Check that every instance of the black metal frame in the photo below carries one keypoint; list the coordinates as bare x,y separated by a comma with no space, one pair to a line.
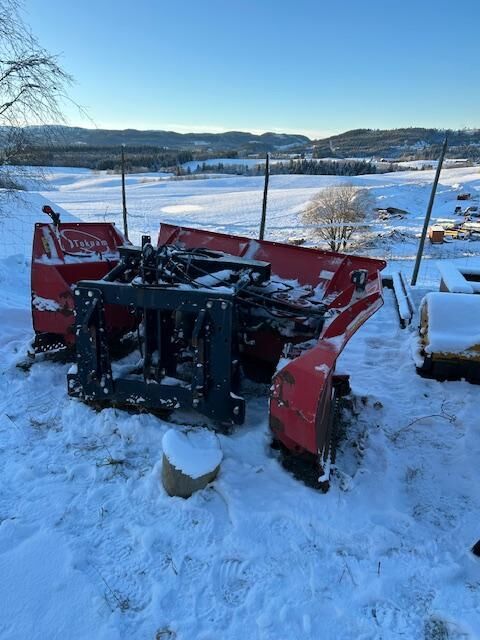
210,390
192,332
450,369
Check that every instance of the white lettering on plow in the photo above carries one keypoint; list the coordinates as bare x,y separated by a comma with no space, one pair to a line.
81,240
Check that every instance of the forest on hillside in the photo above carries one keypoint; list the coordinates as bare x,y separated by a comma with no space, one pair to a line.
406,143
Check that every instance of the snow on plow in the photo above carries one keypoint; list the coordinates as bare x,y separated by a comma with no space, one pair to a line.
62,254
208,310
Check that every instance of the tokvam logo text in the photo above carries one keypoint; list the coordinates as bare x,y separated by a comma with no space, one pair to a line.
77,240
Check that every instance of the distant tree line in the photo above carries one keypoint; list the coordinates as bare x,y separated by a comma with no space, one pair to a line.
102,158
301,166
469,152
147,158
319,167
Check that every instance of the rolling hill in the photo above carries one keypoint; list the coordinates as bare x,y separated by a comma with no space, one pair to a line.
399,143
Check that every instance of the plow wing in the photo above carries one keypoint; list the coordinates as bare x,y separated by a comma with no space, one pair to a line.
62,255
304,385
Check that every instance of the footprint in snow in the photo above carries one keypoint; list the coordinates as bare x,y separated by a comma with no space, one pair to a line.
194,524
284,532
234,582
206,606
192,568
120,573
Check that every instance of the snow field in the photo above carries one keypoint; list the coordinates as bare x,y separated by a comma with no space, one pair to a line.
232,204
85,520
92,546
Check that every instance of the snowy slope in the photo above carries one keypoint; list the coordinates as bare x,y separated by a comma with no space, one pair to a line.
92,547
233,204
18,214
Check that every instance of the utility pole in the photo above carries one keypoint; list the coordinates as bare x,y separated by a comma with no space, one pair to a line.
428,214
124,196
265,194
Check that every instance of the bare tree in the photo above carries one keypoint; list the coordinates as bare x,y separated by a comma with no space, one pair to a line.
336,212
32,86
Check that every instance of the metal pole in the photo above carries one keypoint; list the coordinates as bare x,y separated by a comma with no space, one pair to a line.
428,214
265,194
124,196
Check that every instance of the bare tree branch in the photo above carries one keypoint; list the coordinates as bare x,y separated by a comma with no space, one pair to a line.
33,88
336,212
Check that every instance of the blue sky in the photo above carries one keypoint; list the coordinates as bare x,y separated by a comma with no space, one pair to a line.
316,67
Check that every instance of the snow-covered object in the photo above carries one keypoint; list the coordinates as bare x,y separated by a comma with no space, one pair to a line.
195,453
450,323
403,297
45,304
454,280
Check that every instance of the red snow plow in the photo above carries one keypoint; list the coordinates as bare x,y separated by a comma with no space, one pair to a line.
208,310
63,254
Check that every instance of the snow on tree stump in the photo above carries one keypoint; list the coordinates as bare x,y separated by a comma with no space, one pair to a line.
191,460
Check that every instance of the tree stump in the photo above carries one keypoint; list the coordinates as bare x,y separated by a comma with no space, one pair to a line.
191,460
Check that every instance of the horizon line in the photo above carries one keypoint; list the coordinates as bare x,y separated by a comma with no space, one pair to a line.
214,130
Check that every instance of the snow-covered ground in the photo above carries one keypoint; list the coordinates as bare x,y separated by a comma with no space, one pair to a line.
91,546
432,164
232,204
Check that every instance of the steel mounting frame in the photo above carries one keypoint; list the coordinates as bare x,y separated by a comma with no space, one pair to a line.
210,390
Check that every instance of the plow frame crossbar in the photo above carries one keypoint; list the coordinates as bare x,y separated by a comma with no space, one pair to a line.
210,390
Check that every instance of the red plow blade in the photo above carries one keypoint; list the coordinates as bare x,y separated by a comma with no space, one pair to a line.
62,255
314,301
303,387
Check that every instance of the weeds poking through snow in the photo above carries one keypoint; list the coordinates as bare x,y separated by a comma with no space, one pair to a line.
113,597
443,414
171,564
436,629
108,461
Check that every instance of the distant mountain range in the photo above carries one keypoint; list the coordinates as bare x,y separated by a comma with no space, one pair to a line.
230,140
392,144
